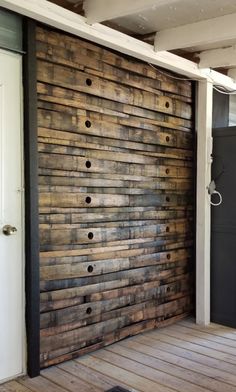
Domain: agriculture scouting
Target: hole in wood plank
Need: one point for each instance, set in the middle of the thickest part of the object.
(89, 82)
(89, 310)
(168, 256)
(167, 229)
(167, 198)
(167, 105)
(88, 164)
(90, 235)
(90, 268)
(167, 138)
(88, 199)
(88, 124)
(167, 171)
(168, 289)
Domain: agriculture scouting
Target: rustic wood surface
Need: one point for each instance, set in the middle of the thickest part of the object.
(116, 202)
(182, 357)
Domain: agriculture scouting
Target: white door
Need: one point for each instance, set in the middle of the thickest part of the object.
(11, 208)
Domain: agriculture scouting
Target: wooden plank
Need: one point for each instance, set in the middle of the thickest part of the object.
(183, 350)
(104, 127)
(102, 381)
(127, 377)
(71, 383)
(64, 355)
(95, 307)
(130, 65)
(208, 336)
(93, 235)
(14, 386)
(76, 337)
(173, 370)
(75, 163)
(197, 346)
(151, 373)
(125, 157)
(217, 376)
(60, 299)
(80, 100)
(115, 197)
(73, 79)
(41, 384)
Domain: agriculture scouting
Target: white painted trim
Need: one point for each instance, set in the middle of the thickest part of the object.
(205, 32)
(215, 58)
(101, 10)
(204, 150)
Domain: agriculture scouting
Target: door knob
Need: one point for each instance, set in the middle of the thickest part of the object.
(9, 230)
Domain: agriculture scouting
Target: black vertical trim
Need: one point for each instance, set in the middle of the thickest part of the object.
(31, 199)
(194, 121)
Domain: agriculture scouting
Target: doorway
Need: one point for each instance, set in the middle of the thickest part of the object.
(223, 232)
(11, 218)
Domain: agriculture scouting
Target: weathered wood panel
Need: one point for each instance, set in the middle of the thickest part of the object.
(116, 203)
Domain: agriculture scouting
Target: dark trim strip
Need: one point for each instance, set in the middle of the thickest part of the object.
(31, 200)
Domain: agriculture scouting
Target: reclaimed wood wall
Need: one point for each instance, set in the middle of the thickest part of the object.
(115, 141)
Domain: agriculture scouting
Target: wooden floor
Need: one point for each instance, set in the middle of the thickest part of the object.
(183, 357)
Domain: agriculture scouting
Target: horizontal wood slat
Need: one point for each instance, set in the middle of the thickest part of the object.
(116, 202)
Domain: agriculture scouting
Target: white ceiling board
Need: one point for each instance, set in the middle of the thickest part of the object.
(217, 58)
(214, 31)
(104, 10)
(180, 12)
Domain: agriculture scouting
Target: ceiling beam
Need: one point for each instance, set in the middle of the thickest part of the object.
(232, 73)
(216, 58)
(60, 18)
(101, 10)
(210, 31)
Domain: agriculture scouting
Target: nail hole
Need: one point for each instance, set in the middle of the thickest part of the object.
(167, 171)
(89, 310)
(88, 164)
(88, 199)
(88, 123)
(168, 256)
(90, 235)
(90, 268)
(167, 198)
(167, 229)
(168, 289)
(167, 105)
(89, 82)
(167, 138)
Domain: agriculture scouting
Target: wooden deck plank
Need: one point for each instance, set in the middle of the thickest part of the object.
(102, 381)
(14, 386)
(151, 373)
(183, 357)
(207, 336)
(124, 375)
(178, 364)
(181, 350)
(195, 344)
(225, 332)
(68, 381)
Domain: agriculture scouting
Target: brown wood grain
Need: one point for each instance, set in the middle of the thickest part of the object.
(116, 196)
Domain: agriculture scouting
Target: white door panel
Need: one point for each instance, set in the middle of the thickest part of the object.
(11, 247)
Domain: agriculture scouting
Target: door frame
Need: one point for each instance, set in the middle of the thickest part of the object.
(32, 280)
(8, 52)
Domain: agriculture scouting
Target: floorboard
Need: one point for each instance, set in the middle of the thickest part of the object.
(183, 357)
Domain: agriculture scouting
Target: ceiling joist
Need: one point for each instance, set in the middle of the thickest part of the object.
(215, 31)
(217, 58)
(103, 10)
(232, 73)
